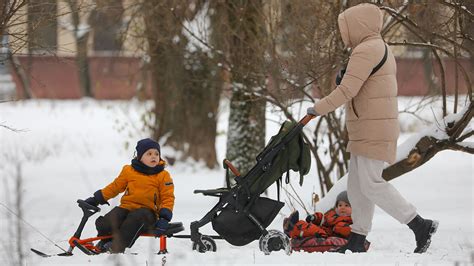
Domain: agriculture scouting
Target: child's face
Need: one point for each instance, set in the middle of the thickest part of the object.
(151, 158)
(343, 208)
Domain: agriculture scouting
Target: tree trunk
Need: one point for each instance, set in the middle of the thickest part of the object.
(246, 131)
(242, 26)
(185, 91)
(82, 64)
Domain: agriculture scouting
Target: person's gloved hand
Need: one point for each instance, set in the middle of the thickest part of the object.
(97, 199)
(92, 201)
(311, 111)
(161, 226)
(340, 75)
(163, 222)
(310, 218)
(315, 218)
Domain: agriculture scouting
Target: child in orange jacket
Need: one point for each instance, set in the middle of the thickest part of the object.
(146, 205)
(335, 222)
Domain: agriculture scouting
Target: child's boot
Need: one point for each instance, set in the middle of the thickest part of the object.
(356, 243)
(289, 223)
(104, 245)
(424, 230)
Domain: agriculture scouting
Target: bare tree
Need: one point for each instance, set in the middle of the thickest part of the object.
(81, 31)
(186, 89)
(239, 33)
(307, 50)
(8, 9)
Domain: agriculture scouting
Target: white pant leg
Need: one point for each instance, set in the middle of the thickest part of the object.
(362, 207)
(382, 193)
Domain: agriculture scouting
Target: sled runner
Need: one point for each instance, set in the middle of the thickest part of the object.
(242, 215)
(87, 245)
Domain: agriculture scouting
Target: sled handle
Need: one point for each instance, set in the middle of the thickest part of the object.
(306, 119)
(87, 207)
(232, 167)
(88, 210)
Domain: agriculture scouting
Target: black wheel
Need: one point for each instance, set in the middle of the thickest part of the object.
(207, 244)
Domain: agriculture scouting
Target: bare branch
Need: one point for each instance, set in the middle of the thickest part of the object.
(12, 129)
(457, 7)
(466, 136)
(459, 147)
(410, 24)
(455, 130)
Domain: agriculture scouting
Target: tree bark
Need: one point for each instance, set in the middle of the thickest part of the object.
(239, 31)
(82, 62)
(246, 130)
(185, 92)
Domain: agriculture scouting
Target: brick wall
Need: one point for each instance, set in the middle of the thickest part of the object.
(118, 77)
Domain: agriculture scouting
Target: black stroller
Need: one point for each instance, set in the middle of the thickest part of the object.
(242, 215)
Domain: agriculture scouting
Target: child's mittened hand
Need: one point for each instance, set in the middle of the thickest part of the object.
(315, 218)
(92, 201)
(161, 226)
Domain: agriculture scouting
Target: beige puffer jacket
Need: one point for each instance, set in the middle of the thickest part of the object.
(371, 102)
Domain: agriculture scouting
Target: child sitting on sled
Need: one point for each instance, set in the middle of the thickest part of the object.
(321, 232)
(146, 205)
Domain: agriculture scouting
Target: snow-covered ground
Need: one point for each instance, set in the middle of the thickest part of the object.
(66, 150)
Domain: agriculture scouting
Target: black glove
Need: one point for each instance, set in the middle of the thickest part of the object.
(97, 199)
(310, 218)
(311, 111)
(340, 75)
(92, 201)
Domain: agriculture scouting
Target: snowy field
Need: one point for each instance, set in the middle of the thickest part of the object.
(66, 150)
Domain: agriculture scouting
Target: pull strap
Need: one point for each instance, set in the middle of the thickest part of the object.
(380, 64)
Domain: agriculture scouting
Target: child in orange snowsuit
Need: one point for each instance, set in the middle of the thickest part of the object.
(335, 222)
(146, 205)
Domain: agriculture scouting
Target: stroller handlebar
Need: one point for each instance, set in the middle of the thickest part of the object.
(232, 167)
(306, 119)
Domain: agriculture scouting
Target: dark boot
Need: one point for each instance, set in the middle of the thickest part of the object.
(289, 223)
(104, 245)
(356, 243)
(424, 230)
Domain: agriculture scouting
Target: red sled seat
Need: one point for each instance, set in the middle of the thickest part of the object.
(319, 244)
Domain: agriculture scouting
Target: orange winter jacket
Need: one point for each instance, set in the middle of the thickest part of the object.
(334, 224)
(329, 224)
(142, 191)
(303, 229)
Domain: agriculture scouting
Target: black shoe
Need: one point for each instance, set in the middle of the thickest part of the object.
(424, 229)
(104, 245)
(356, 244)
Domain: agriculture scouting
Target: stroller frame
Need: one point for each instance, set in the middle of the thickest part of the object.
(228, 196)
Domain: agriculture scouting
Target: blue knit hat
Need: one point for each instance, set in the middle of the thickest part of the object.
(146, 144)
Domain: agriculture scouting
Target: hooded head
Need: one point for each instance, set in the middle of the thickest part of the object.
(359, 22)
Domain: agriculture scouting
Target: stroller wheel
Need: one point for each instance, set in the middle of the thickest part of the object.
(206, 244)
(274, 240)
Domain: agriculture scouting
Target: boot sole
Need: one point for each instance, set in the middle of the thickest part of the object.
(433, 229)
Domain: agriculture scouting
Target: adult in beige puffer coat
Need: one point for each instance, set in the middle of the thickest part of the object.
(372, 124)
